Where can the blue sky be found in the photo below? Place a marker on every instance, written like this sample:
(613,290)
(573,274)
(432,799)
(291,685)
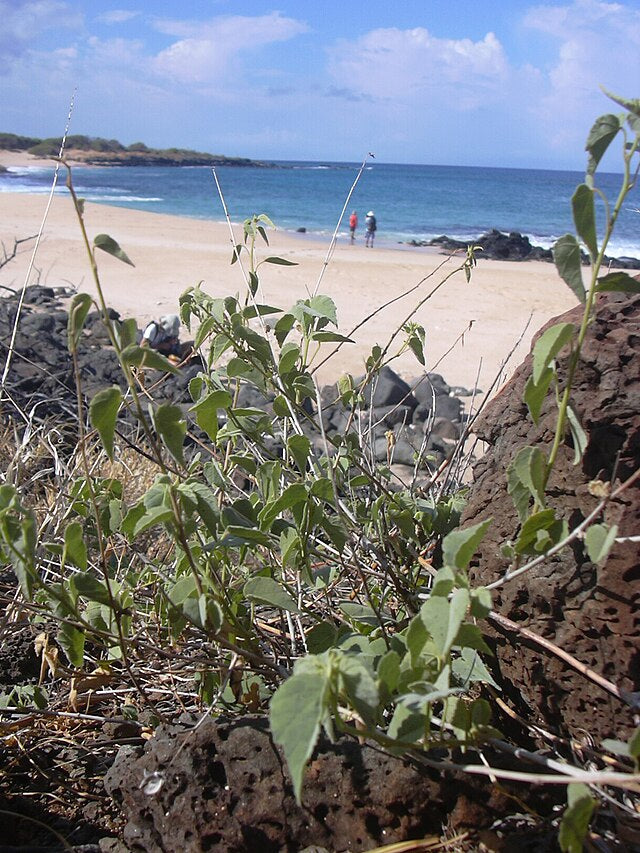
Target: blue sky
(469,82)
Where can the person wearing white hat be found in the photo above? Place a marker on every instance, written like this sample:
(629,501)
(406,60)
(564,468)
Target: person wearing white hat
(163,335)
(371,226)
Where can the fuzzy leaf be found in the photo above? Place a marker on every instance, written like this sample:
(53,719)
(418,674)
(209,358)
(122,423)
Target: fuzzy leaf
(601,135)
(71,641)
(442,618)
(566,255)
(78,310)
(206,411)
(618,282)
(548,346)
(578,435)
(576,818)
(172,428)
(90,587)
(267,591)
(459,546)
(137,356)
(75,550)
(103,414)
(111,247)
(599,540)
(280,262)
(535,392)
(584,217)
(297,709)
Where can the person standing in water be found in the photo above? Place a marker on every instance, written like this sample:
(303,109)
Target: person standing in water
(353,224)
(371,226)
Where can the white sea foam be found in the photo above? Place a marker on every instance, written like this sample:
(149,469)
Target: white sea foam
(131,198)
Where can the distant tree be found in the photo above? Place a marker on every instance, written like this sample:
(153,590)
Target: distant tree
(13,142)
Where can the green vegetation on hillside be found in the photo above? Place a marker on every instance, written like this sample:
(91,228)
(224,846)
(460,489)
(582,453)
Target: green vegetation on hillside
(98,151)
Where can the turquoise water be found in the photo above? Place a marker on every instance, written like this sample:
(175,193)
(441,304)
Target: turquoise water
(410,202)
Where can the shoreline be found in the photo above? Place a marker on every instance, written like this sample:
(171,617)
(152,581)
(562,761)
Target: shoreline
(470,328)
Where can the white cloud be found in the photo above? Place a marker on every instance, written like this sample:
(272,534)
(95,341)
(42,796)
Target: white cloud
(117,16)
(207,51)
(23,21)
(413,65)
(598,44)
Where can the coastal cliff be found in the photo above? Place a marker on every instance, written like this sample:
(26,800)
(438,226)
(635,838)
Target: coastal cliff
(96,151)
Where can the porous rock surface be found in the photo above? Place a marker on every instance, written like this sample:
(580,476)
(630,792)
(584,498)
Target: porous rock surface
(224,787)
(591,611)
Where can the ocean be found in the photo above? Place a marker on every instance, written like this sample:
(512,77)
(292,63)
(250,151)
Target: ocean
(411,202)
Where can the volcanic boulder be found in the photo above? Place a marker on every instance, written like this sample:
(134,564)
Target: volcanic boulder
(591,611)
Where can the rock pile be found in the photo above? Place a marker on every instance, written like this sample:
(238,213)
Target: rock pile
(411,425)
(497,246)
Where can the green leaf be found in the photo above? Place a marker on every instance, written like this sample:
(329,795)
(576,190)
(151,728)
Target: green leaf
(299,447)
(109,245)
(172,428)
(103,414)
(529,467)
(141,521)
(252,311)
(71,641)
(407,725)
(137,356)
(126,332)
(91,588)
(566,255)
(206,411)
(459,546)
(297,709)
(279,261)
(360,613)
(599,540)
(631,104)
(331,337)
(536,393)
(576,818)
(78,310)
(537,522)
(267,591)
(325,307)
(416,343)
(584,217)
(389,670)
(294,494)
(469,668)
(548,346)
(360,686)
(601,135)
(618,282)
(283,327)
(578,435)
(289,355)
(75,550)
(442,618)
(321,637)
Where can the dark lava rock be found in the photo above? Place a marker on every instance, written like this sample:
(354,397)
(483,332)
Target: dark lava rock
(591,611)
(387,390)
(224,787)
(498,246)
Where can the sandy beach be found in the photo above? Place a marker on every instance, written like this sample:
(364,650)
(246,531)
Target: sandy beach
(470,327)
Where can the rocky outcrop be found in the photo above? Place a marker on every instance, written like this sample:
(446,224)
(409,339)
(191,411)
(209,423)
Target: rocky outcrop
(224,787)
(591,611)
(498,246)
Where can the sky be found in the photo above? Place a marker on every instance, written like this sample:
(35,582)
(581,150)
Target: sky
(453,82)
